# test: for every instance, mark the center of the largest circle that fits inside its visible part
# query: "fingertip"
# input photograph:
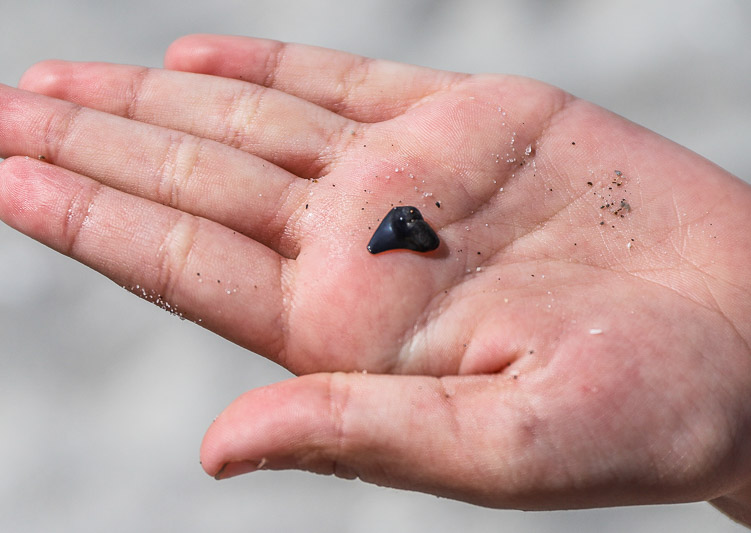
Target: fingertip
(46, 77)
(190, 51)
(287, 425)
(219, 55)
(38, 199)
(211, 453)
(78, 82)
(257, 425)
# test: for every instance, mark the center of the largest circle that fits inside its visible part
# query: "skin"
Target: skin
(579, 339)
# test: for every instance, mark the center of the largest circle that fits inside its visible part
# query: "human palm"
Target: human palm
(579, 338)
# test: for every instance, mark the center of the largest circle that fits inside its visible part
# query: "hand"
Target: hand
(580, 338)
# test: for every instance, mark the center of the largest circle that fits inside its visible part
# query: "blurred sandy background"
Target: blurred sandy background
(104, 399)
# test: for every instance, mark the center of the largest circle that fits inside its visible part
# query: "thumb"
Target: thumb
(436, 435)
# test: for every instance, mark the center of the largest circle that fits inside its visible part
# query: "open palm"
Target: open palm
(579, 338)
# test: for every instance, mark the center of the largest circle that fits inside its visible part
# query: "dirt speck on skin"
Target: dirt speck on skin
(612, 194)
(624, 207)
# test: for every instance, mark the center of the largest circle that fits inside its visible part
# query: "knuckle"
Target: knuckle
(179, 165)
(350, 82)
(339, 397)
(59, 130)
(274, 62)
(78, 216)
(134, 92)
(342, 140)
(173, 254)
(241, 115)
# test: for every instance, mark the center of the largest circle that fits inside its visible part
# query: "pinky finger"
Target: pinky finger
(190, 266)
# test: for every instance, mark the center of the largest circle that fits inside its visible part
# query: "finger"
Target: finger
(428, 434)
(197, 176)
(362, 89)
(282, 129)
(495, 440)
(190, 266)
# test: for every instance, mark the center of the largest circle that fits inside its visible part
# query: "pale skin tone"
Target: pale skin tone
(580, 338)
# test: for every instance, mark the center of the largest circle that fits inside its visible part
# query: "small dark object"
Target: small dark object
(403, 228)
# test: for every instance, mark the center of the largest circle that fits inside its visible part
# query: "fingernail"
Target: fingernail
(238, 468)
